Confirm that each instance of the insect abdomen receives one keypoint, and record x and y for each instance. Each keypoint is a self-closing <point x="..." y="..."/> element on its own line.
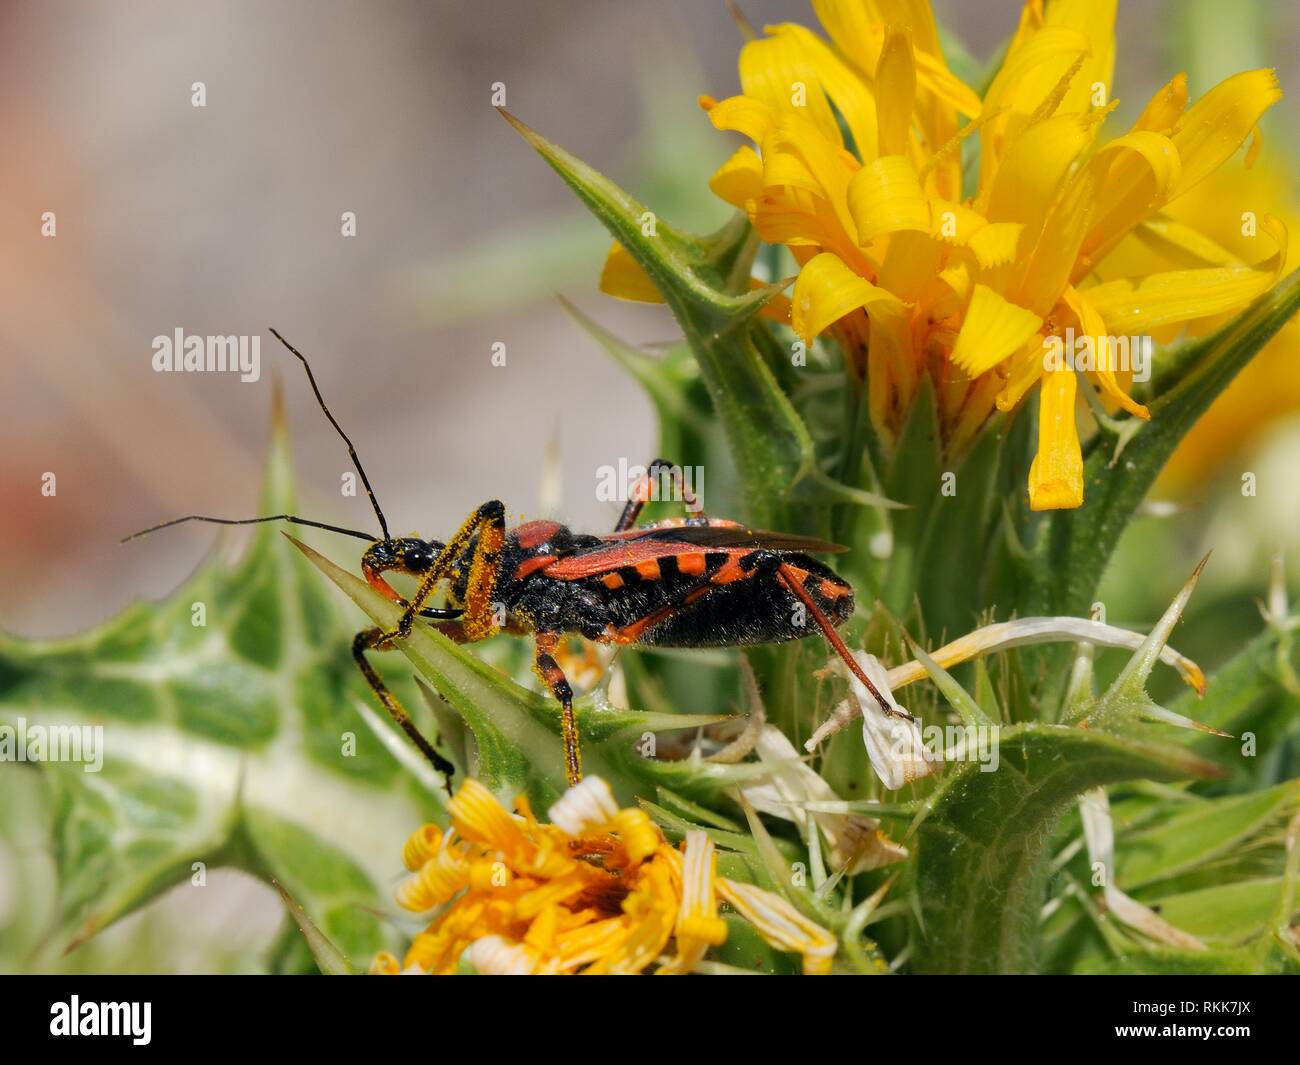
<point x="753" y="608"/>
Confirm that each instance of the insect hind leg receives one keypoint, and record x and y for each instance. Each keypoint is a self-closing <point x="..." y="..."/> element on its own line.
<point x="771" y="562"/>
<point x="377" y="640"/>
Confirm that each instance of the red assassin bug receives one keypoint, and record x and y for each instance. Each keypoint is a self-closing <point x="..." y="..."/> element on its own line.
<point x="688" y="582"/>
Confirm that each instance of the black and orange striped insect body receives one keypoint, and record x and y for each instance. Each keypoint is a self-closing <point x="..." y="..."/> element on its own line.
<point x="694" y="581"/>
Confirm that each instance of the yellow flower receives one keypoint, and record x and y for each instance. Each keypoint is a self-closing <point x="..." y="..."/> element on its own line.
<point x="855" y="166"/>
<point x="598" y="890"/>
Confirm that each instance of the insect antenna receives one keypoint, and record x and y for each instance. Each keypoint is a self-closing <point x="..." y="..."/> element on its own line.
<point x="251" y="521"/>
<point x="356" y="460"/>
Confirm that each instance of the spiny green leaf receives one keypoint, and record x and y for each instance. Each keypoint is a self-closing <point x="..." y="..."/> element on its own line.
<point x="233" y="742"/>
<point x="331" y="960"/>
<point x="981" y="854"/>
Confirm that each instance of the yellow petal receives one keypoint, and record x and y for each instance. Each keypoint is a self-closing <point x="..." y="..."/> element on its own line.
<point x="740" y="114"/>
<point x="697" y="916"/>
<point x="1041" y="276"/>
<point x="480" y="818"/>
<point x="826" y="290"/>
<point x="1056" y="474"/>
<point x="1165" y="108"/>
<point x="1025" y="76"/>
<point x="1025" y="368"/>
<point x="885" y="197"/>
<point x="1092" y="323"/>
<point x="740" y="178"/>
<point x="992" y="330"/>
<point x="777" y="72"/>
<point x="896" y="91"/>
<point x="587" y="806"/>
<point x="1137" y="306"/>
<point x="1216" y="125"/>
<point x="795" y="154"/>
<point x="1137" y="173"/>
<point x="1182" y="245"/>
<point x="1042" y="53"/>
<point x="858" y="30"/>
<point x="1030" y="177"/>
<point x="850" y="94"/>
<point x="422" y="845"/>
<point x="995" y="243"/>
<point x="624" y="279"/>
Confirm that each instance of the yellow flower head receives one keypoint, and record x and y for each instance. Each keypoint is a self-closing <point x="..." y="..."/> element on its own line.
<point x="598" y="890"/>
<point x="855" y="165"/>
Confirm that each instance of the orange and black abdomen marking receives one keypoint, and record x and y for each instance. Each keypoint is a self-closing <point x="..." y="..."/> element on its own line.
<point x="727" y="601"/>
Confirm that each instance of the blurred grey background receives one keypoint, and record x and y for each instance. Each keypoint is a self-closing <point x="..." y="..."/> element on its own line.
<point x="226" y="219"/>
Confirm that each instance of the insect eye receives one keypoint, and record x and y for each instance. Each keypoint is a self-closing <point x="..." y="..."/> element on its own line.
<point x="416" y="555"/>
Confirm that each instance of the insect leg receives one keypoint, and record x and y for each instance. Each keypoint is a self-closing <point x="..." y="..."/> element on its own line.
<point x="786" y="575"/>
<point x="640" y="494"/>
<point x="370" y="639"/>
<point x="489" y="522"/>
<point x="553" y="676"/>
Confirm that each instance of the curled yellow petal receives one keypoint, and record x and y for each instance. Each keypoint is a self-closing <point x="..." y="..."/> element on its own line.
<point x="1220" y="121"/>
<point x="1092" y="323"/>
<point x="1137" y="173"/>
<point x="993" y="329"/>
<point x="422" y="845"/>
<point x="885" y="196"/>
<point x="740" y="179"/>
<point x="827" y="290"/>
<point x="1056" y="474"/>
<point x="740" y="114"/>
<point x="586" y="807"/>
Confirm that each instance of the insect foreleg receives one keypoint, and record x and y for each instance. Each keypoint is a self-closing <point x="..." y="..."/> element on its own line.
<point x="368" y="640"/>
<point x="489" y="522"/>
<point x="476" y="622"/>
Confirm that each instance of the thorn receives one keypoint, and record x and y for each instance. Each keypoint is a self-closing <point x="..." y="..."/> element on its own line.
<point x="743" y="24"/>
